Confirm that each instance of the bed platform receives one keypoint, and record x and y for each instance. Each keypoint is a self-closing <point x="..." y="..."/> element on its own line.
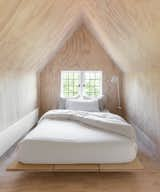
<point x="66" y="145"/>
<point x="133" y="166"/>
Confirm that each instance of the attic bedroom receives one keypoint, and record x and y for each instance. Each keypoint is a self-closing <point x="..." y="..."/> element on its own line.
<point x="79" y="95"/>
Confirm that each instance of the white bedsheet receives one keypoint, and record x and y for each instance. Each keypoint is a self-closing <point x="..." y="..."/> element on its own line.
<point x="107" y="121"/>
<point x="68" y="141"/>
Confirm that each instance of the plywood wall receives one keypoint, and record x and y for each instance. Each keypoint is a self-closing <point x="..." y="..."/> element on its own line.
<point x="33" y="30"/>
<point x="81" y="52"/>
<point x="18" y="97"/>
<point x="142" y="102"/>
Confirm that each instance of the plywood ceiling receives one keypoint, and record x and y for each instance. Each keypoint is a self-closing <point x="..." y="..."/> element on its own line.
<point x="32" y="31"/>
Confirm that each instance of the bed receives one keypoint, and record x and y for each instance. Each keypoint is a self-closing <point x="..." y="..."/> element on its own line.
<point x="79" y="137"/>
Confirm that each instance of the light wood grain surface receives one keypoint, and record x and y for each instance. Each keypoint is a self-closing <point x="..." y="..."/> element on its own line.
<point x="142" y="103"/>
<point x="81" y="52"/>
<point x="18" y="97"/>
<point x="32" y="31"/>
<point x="133" y="166"/>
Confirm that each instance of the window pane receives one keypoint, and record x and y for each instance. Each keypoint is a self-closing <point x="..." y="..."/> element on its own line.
<point x="93" y="83"/>
<point x="71" y="87"/>
<point x="70" y="83"/>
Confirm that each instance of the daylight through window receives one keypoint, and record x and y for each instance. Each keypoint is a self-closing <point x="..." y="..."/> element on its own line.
<point x="81" y="83"/>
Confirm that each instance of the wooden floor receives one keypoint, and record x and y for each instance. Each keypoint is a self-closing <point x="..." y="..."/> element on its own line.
<point x="145" y="181"/>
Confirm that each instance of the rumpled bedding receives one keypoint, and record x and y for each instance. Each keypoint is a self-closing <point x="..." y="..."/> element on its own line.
<point x="101" y="120"/>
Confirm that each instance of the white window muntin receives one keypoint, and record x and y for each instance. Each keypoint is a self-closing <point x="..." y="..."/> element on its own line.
<point x="82" y="79"/>
<point x="66" y="73"/>
<point x="93" y="75"/>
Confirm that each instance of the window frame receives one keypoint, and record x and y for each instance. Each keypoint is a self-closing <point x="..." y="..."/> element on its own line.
<point x="62" y="88"/>
<point x="81" y="92"/>
<point x="100" y="86"/>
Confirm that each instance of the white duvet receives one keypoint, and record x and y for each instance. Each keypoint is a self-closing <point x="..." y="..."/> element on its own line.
<point x="107" y="121"/>
<point x="66" y="136"/>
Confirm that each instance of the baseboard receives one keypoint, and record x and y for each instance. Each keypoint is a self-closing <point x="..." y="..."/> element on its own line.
<point x="146" y="142"/>
<point x="13" y="133"/>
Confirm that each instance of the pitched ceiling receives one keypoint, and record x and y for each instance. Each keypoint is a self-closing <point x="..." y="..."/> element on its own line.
<point x="32" y="31"/>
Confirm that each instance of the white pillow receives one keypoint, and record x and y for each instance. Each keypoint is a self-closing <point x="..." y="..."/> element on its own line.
<point x="100" y="101"/>
<point x="62" y="103"/>
<point x="82" y="105"/>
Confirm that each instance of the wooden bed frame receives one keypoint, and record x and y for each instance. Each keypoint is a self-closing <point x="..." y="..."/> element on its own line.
<point x="133" y="166"/>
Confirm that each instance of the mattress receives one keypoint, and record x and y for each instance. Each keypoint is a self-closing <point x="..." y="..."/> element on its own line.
<point x="68" y="142"/>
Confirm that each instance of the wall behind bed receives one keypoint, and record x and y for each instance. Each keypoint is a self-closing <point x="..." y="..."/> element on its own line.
<point x="80" y="52"/>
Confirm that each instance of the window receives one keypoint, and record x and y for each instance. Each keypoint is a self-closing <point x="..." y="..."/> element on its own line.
<point x="70" y="82"/>
<point x="92" y="84"/>
<point x="81" y="83"/>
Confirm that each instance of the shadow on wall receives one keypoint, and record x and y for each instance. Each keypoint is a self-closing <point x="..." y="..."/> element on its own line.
<point x="141" y="100"/>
